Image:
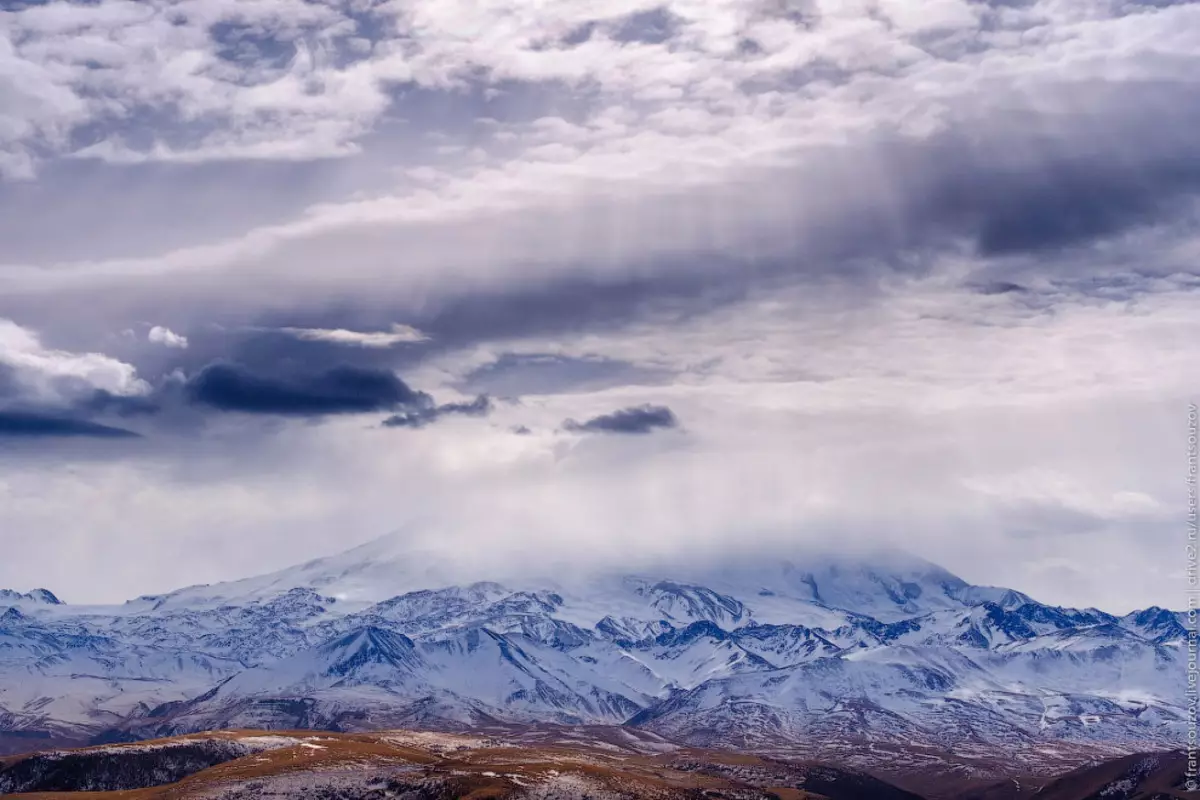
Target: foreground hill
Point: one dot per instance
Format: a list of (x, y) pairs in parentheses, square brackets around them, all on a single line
[(541, 764), (416, 765), (827, 658)]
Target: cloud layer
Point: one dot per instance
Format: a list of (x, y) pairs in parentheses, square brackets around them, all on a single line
[(31, 425), (921, 273)]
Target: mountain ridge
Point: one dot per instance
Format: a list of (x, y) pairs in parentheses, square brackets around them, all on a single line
[(913, 657)]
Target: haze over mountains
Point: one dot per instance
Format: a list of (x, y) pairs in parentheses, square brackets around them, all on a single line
[(815, 654), (589, 270)]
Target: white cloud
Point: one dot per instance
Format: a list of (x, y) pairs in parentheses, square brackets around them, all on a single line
[(732, 81), (53, 375), (167, 337), (77, 64), (398, 334)]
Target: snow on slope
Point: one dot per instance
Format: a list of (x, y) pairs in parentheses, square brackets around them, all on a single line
[(810, 588), (36, 597), (883, 647)]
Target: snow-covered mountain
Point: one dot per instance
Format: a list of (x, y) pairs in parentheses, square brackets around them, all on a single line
[(884, 649)]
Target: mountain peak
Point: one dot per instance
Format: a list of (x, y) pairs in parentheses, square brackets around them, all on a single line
[(40, 596), (367, 645)]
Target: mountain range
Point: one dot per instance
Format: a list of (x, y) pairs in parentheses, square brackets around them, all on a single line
[(832, 656)]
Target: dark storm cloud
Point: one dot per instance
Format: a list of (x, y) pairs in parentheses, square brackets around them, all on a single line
[(264, 348), (340, 390), (478, 407), (32, 424), (1024, 183), (1067, 203), (26, 416), (637, 419), (410, 419), (176, 407), (1011, 188), (259, 344), (1018, 188), (420, 417)]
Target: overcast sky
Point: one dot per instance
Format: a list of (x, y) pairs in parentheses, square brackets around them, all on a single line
[(598, 279)]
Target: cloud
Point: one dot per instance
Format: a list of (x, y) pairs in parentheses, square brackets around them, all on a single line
[(102, 401), (420, 417), (1024, 203), (83, 68), (166, 337), (478, 407), (399, 334), (297, 80), (999, 287), (36, 425), (533, 373), (341, 390), (52, 393), (934, 402), (637, 419), (482, 267), (881, 256), (49, 374)]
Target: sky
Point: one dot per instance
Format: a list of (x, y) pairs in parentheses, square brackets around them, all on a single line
[(608, 281)]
